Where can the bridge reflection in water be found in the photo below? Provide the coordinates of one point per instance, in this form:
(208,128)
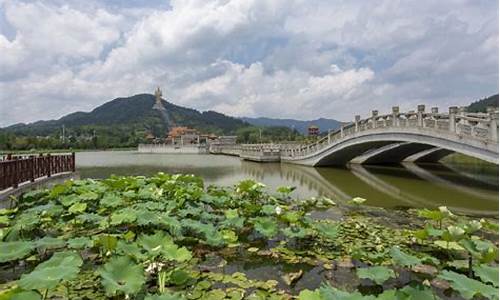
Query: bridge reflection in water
(468,188)
(409,185)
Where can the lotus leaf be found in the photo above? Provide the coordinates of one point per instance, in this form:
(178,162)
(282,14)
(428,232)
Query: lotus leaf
(487,274)
(68,200)
(80,243)
(111,200)
(379,274)
(327,230)
(126,215)
(122,275)
(179,277)
(49,243)
(89,196)
(26,295)
(468,288)
(266,226)
(47,275)
(164,296)
(15,250)
(77,208)
(402,259)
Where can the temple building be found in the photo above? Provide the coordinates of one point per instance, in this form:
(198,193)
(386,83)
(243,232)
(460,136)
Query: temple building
(313,130)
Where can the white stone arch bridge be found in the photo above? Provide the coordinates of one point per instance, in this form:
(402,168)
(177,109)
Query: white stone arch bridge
(414,136)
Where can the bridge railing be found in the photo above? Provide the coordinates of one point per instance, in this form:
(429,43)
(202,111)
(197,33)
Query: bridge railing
(478,126)
(17,169)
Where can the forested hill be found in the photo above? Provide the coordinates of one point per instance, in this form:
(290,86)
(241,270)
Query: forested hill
(135,113)
(481,105)
(125,122)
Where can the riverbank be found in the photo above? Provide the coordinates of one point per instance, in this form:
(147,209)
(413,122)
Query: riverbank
(150,237)
(37,151)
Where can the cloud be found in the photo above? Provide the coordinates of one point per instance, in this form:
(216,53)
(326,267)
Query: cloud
(301,59)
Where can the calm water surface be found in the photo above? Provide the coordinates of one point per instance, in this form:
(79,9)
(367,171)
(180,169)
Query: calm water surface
(468,189)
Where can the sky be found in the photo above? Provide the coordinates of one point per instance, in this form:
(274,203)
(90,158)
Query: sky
(300,59)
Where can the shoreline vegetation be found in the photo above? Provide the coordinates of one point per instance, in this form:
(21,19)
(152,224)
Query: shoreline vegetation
(172,237)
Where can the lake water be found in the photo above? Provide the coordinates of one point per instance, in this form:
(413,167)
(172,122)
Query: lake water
(465,188)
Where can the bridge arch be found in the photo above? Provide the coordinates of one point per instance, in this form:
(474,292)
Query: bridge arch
(396,137)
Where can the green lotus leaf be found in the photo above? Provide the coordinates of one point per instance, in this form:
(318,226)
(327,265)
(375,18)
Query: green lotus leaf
(327,230)
(131,249)
(402,259)
(77,208)
(266,226)
(111,200)
(108,242)
(413,293)
(328,292)
(15,250)
(179,277)
(126,215)
(467,287)
(268,209)
(295,232)
(154,244)
(80,243)
(165,296)
(172,252)
(4,220)
(434,215)
(25,295)
(310,295)
(120,275)
(68,200)
(48,242)
(89,196)
(90,218)
(379,274)
(487,274)
(62,266)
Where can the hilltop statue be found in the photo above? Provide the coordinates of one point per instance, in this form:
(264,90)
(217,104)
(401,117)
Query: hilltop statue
(158,105)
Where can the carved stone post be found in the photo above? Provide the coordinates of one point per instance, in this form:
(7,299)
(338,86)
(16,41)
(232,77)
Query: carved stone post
(435,111)
(453,112)
(395,116)
(420,117)
(493,124)
(357,118)
(374,118)
(341,131)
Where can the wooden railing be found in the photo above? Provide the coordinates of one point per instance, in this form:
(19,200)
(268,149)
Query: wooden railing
(17,169)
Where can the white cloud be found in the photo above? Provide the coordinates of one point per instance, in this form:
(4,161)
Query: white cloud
(283,58)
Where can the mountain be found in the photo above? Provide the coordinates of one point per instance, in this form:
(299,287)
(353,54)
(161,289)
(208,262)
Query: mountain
(135,113)
(126,122)
(301,126)
(481,105)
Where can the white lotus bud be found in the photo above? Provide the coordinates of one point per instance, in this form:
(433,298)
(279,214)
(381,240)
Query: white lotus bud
(278,210)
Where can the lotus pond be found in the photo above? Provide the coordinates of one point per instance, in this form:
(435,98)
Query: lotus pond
(171,237)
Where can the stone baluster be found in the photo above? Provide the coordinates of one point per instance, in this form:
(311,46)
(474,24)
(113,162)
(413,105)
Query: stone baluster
(420,117)
(357,118)
(435,111)
(452,117)
(374,118)
(342,131)
(395,116)
(493,116)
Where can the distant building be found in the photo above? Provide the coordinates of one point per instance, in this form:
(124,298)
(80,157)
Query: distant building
(182,136)
(313,130)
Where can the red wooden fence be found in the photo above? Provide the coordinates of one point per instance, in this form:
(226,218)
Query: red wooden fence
(16,169)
